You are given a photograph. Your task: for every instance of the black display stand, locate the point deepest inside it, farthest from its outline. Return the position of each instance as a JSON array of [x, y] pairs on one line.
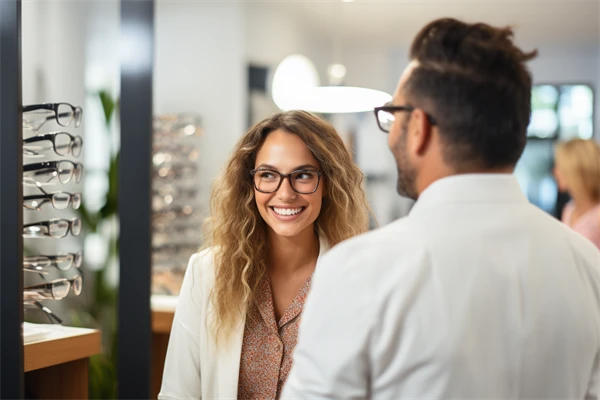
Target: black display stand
[[135, 166], [11, 202]]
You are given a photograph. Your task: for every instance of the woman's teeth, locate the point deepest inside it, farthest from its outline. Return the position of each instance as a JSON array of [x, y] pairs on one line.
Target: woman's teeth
[[287, 211]]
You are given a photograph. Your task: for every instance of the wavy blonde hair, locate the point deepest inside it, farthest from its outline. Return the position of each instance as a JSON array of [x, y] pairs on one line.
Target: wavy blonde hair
[[579, 162], [237, 233]]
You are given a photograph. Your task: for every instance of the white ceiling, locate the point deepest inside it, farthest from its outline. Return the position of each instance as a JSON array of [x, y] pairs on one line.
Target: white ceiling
[[566, 22]]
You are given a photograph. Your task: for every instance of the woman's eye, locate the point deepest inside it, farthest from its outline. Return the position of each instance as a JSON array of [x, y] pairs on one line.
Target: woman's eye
[[267, 175], [305, 175]]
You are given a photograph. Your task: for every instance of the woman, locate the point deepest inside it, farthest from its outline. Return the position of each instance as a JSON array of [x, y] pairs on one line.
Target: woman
[[577, 172], [288, 193]]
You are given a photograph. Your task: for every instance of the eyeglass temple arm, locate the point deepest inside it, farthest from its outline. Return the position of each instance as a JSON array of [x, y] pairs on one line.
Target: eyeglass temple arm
[[37, 138], [48, 312], [31, 268], [39, 107], [44, 198]]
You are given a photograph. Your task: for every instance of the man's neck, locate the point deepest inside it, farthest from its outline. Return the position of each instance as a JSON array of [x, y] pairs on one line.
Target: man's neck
[[443, 171]]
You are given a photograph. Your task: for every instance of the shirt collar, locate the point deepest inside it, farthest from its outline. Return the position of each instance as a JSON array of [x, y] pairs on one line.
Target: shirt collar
[[471, 188]]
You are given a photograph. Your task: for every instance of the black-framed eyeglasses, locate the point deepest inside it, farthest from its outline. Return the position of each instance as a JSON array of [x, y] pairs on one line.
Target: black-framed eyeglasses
[[55, 290], [36, 115], [303, 181], [63, 143], [63, 262], [45, 172], [59, 200], [55, 228], [385, 115]]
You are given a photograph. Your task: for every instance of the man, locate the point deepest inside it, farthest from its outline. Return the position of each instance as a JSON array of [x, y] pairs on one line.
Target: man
[[477, 293]]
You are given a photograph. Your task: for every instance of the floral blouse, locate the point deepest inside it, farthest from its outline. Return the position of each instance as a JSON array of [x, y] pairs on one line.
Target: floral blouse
[[268, 344]]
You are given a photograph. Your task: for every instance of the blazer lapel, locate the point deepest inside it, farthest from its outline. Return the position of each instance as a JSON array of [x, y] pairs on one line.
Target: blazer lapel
[[228, 363]]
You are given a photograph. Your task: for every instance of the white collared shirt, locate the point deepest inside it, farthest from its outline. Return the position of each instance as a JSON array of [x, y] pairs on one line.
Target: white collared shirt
[[476, 294]]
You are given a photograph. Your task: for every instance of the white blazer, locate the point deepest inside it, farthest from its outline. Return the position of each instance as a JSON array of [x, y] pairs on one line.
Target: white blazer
[[195, 368]]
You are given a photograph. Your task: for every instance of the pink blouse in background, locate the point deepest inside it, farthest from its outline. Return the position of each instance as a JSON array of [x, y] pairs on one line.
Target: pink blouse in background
[[587, 225]]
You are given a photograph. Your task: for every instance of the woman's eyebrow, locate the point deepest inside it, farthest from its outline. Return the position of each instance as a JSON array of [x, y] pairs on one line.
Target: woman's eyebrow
[[301, 167]]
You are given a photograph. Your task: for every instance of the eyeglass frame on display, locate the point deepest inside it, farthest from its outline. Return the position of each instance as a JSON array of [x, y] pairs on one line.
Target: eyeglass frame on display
[[284, 176], [391, 109], [74, 199], [75, 111], [76, 260], [51, 136], [49, 287], [49, 165], [47, 224]]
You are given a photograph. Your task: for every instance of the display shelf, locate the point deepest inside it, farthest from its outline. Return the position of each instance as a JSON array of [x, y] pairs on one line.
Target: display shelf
[[62, 344], [163, 311], [56, 366]]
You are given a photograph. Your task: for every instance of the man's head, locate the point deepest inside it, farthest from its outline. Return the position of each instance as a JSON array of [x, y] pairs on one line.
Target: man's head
[[468, 94]]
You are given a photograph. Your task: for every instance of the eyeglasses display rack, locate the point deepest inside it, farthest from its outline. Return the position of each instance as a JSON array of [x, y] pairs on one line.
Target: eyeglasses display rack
[[50, 163], [176, 216], [11, 208], [43, 181]]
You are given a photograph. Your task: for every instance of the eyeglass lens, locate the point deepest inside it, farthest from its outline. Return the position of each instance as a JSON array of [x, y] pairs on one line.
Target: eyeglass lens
[[61, 200], [77, 285], [60, 288], [64, 113], [385, 119], [65, 143]]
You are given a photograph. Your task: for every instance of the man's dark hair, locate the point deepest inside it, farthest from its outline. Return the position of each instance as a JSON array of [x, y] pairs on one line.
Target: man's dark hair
[[473, 80]]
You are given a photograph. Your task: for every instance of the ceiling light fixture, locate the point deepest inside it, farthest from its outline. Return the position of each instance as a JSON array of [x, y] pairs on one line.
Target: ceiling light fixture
[[302, 92]]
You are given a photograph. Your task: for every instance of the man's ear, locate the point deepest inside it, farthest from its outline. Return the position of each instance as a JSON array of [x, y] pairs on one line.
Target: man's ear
[[421, 131]]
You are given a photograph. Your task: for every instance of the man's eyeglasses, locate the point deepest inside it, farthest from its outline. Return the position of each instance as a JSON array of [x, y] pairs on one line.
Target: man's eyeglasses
[[36, 115], [55, 228], [56, 290], [45, 172], [385, 116], [303, 181], [60, 200], [63, 143], [63, 262]]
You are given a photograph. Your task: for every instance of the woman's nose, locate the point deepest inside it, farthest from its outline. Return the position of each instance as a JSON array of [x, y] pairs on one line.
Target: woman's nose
[[285, 190]]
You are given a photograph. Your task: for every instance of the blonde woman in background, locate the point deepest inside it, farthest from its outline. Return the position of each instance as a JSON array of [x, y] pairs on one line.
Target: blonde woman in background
[[577, 172], [289, 192]]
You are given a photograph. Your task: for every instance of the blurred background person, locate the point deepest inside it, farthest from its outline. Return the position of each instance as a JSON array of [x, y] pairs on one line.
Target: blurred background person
[[577, 172]]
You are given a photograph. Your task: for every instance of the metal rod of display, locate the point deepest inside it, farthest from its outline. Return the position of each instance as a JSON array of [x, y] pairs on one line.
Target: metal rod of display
[[134, 199], [11, 203]]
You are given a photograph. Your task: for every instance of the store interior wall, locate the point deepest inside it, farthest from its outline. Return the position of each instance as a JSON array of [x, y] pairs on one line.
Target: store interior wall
[[200, 67]]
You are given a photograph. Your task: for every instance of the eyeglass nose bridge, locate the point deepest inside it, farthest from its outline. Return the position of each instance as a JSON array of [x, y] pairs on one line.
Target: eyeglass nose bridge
[[283, 177]]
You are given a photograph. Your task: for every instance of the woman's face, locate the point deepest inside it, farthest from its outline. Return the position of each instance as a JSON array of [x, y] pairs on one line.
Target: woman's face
[[287, 212]]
